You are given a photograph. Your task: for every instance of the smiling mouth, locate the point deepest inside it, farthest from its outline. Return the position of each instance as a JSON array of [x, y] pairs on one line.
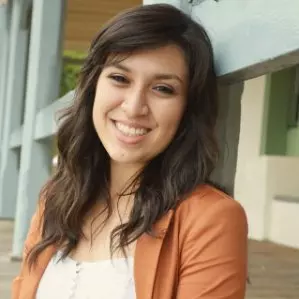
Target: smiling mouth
[[130, 131]]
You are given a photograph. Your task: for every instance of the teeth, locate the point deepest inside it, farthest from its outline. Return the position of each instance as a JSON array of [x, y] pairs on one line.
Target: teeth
[[129, 131]]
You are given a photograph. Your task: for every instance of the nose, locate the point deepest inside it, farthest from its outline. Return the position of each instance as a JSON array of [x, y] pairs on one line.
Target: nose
[[135, 102]]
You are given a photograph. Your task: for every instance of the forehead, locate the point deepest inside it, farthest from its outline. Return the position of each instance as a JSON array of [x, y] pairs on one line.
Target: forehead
[[168, 58]]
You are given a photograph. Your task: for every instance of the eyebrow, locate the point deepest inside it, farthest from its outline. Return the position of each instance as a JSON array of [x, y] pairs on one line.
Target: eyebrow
[[157, 77]]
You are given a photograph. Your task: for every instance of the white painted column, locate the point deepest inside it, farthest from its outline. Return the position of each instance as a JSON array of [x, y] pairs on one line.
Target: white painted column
[[252, 170], [13, 98], [42, 89]]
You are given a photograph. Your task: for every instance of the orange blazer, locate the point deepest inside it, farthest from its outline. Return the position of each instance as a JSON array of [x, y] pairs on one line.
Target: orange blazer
[[202, 253]]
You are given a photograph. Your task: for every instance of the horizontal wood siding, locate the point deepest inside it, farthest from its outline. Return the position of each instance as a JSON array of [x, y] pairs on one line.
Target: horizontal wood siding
[[84, 18]]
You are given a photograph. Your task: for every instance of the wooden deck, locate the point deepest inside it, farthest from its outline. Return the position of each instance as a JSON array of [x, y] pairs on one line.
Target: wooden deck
[[273, 269]]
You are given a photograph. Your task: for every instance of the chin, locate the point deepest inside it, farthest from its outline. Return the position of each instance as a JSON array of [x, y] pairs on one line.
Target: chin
[[126, 159]]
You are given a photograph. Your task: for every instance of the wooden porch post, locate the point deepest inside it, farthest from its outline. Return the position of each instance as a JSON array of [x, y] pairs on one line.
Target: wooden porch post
[[12, 101], [4, 37], [42, 89]]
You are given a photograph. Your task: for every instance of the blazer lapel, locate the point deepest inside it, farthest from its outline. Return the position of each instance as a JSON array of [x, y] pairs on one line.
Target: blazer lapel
[[32, 278], [147, 256], [145, 265]]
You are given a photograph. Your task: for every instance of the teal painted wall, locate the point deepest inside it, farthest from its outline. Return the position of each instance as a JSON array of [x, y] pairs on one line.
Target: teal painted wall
[[293, 132], [276, 126], [278, 137], [264, 141], [293, 142]]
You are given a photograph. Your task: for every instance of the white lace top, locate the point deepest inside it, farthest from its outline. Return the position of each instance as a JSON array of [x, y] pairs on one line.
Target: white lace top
[[68, 279]]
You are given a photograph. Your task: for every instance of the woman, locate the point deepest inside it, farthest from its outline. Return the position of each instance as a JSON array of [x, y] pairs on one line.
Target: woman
[[129, 213]]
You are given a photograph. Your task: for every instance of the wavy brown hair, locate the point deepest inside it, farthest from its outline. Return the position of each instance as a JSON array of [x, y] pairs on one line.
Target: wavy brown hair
[[82, 175]]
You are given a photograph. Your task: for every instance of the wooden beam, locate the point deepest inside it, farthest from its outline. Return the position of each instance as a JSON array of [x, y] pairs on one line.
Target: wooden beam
[[46, 119], [251, 38], [15, 140]]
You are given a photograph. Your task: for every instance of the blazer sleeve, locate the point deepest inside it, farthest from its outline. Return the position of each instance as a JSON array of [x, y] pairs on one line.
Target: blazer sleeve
[[214, 253], [32, 238]]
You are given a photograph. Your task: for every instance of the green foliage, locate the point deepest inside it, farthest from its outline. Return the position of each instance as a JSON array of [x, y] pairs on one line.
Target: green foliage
[[74, 54], [72, 62]]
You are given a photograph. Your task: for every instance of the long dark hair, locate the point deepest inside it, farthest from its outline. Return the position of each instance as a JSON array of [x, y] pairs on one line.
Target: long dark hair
[[82, 175]]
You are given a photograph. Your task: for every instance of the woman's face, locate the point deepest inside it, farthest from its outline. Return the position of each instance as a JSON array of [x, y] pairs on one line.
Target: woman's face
[[139, 103]]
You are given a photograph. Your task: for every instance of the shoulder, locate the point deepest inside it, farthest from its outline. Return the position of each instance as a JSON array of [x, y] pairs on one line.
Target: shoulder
[[210, 230], [207, 198], [208, 207]]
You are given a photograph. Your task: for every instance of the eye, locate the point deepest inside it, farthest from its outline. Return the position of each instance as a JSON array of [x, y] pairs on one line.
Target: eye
[[119, 78], [164, 89]]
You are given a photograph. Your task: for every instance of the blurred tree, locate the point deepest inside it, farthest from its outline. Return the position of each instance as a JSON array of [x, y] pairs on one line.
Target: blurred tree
[[72, 63]]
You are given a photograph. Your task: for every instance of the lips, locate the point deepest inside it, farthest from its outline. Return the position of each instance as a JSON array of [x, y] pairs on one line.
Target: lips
[[129, 133], [130, 130]]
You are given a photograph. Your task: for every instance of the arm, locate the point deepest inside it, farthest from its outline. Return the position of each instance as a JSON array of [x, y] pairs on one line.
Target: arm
[[214, 253]]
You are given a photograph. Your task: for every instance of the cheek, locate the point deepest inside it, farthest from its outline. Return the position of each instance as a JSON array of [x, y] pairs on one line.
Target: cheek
[[106, 99], [170, 118], [168, 121], [96, 111], [100, 106]]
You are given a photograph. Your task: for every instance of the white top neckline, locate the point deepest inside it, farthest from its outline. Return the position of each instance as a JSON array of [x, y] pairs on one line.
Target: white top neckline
[[103, 261], [71, 279]]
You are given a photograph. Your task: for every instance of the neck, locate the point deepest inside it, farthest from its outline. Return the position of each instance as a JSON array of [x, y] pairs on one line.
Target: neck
[[121, 176]]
